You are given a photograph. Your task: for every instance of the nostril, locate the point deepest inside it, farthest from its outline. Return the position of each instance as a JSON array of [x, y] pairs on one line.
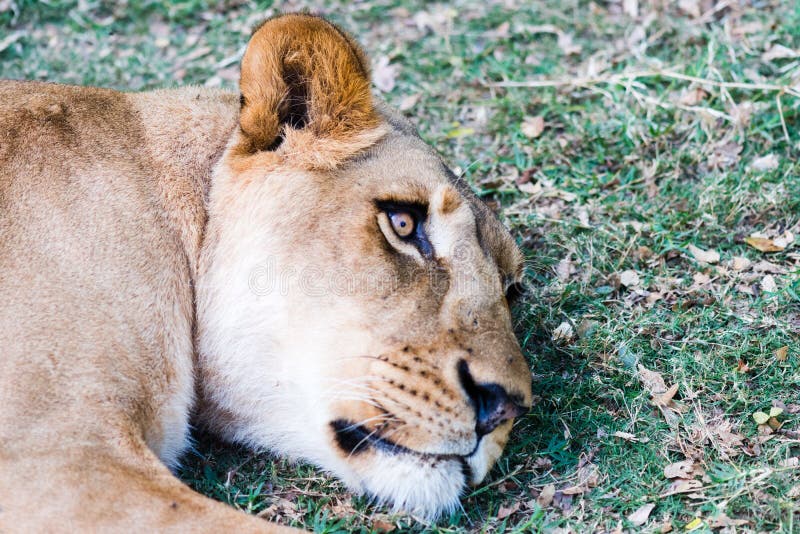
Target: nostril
[[492, 403]]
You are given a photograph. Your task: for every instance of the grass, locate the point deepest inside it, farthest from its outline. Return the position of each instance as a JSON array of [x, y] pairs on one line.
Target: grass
[[625, 176]]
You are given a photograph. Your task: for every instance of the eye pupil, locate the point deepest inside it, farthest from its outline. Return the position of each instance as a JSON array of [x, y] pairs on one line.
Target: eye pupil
[[402, 222]]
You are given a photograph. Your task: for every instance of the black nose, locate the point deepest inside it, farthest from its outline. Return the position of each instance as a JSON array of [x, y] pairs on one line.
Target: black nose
[[492, 403]]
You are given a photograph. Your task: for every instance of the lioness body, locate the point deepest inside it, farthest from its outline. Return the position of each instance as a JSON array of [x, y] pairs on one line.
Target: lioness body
[[101, 212], [162, 246]]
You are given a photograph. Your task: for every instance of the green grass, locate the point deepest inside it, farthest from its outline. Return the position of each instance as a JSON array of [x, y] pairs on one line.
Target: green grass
[[624, 177]]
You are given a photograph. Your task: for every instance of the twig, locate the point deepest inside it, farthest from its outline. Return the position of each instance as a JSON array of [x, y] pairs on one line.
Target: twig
[[628, 76], [783, 121]]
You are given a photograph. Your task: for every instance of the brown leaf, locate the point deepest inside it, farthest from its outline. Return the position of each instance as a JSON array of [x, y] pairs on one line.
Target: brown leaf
[[409, 101], [782, 353], [506, 511], [684, 469], [664, 399], [681, 485], [778, 51], [766, 244], [384, 526], [384, 74], [640, 516], [706, 256], [740, 263], [769, 162], [721, 520], [532, 127], [545, 498], [652, 381]]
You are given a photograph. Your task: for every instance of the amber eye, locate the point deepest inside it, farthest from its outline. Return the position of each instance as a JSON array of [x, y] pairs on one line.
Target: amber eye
[[402, 223]]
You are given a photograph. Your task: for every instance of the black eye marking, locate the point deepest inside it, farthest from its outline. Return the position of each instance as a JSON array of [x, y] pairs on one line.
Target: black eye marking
[[514, 291], [413, 214]]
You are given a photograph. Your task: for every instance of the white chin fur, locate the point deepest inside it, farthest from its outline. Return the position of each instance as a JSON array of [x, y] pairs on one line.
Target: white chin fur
[[424, 487]]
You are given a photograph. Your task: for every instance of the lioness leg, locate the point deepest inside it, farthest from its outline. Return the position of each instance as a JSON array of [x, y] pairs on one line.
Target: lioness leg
[[102, 491]]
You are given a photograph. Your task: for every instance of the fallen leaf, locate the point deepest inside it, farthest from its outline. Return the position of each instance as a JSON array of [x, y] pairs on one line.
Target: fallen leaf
[[694, 524], [664, 399], [532, 127], [629, 278], [563, 332], [778, 51], [384, 74], [782, 353], [652, 381], [721, 520], [760, 417], [690, 7], [740, 263], [545, 498], [564, 269], [706, 256], [680, 485], [769, 162], [506, 511], [410, 101], [768, 284], [384, 526], [640, 516], [684, 469], [692, 97], [627, 436], [766, 244], [567, 46]]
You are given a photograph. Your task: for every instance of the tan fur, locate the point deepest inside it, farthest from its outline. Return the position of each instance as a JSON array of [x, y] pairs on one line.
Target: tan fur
[[128, 222]]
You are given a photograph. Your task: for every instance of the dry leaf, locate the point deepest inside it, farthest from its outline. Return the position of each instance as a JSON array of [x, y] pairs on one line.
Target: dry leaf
[[684, 469], [567, 46], [766, 244], [384, 74], [664, 399], [778, 51], [563, 332], [692, 97], [627, 436], [629, 278], [384, 526], [532, 127], [769, 162], [640, 516], [768, 284], [706, 256], [690, 7], [545, 498], [740, 263], [681, 485], [506, 511], [652, 381], [410, 101], [564, 269], [721, 520], [630, 8], [782, 353]]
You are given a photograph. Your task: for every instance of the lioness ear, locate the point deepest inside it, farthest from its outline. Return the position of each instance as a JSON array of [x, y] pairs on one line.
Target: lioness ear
[[301, 73]]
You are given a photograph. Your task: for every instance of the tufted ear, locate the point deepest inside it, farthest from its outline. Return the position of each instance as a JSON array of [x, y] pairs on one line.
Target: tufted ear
[[304, 82]]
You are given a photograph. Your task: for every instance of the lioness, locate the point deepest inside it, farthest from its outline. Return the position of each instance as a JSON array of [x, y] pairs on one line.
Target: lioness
[[173, 252]]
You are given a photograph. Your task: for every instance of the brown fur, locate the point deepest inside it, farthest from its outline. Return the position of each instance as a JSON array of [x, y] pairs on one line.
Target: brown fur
[[113, 207]]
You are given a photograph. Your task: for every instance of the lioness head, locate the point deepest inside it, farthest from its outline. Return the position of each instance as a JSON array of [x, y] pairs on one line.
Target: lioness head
[[351, 296]]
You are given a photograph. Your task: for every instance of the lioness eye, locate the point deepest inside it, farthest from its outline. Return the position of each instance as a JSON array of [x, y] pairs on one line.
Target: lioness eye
[[402, 223]]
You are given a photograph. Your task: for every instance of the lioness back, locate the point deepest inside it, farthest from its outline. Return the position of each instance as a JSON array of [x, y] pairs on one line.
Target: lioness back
[[96, 321]]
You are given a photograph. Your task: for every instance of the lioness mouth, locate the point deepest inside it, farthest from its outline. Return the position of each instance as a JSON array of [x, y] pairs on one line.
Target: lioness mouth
[[354, 439]]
